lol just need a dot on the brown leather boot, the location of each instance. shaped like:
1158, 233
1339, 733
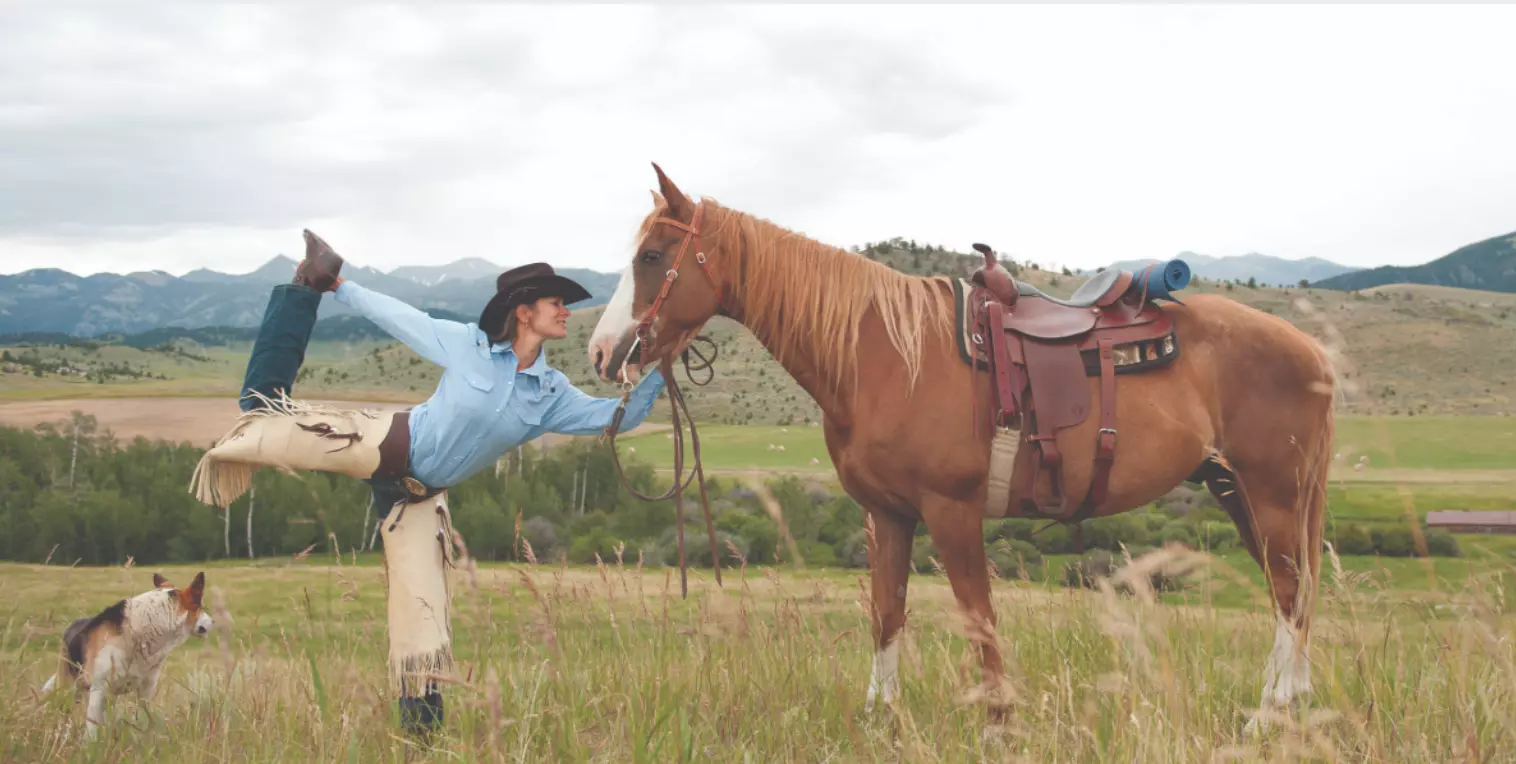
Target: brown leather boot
321, 266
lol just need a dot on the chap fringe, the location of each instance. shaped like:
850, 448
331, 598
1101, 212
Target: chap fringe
219, 482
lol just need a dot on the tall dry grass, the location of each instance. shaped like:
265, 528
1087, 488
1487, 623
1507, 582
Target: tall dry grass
607, 663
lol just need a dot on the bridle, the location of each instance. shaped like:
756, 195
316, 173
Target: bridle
676, 399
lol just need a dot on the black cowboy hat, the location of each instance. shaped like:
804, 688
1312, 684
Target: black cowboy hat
525, 284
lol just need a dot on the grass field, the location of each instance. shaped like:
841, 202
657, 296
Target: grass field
610, 665
1403, 443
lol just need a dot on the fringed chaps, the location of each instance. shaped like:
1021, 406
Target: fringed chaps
289, 435
418, 553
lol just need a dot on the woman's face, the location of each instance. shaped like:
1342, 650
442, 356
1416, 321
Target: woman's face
547, 317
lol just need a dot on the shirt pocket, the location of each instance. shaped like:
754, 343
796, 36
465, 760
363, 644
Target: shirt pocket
478, 382
532, 403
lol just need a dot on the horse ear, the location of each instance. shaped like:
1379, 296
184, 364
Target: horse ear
677, 201
159, 581
658, 200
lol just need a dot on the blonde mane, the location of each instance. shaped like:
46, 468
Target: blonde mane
805, 298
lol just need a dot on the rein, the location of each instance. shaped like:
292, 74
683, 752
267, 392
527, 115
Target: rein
676, 402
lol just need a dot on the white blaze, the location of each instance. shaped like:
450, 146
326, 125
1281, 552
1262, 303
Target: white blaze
617, 319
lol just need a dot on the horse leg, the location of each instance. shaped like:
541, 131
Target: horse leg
957, 531
1281, 524
889, 571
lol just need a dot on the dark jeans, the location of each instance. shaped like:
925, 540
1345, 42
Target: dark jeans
278, 353
279, 349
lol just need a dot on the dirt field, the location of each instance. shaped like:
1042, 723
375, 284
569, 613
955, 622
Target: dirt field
197, 420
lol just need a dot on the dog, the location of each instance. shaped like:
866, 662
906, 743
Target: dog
124, 647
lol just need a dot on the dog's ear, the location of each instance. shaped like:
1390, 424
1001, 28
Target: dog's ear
196, 589
159, 582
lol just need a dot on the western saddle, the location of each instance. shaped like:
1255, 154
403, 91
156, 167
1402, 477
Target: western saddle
1038, 344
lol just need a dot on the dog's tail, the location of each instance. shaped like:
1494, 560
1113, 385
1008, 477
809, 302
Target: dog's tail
70, 654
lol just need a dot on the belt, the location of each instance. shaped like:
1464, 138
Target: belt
395, 459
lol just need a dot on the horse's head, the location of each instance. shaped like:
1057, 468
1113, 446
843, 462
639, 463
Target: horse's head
667, 292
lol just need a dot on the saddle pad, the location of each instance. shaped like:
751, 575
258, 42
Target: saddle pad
1130, 357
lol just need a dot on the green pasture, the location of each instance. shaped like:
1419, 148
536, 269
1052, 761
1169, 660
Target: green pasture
1418, 443
1440, 443
739, 448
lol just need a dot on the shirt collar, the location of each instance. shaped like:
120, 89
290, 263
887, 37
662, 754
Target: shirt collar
538, 368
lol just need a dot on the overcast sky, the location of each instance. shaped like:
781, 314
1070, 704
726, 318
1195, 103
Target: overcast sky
137, 139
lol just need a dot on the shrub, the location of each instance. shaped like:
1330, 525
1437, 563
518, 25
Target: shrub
1440, 543
921, 552
1394, 541
1180, 532
542, 535
1353, 539
1081, 573
1110, 533
1220, 537
853, 552
697, 547
1013, 558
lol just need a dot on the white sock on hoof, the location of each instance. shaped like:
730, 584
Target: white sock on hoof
1286, 672
885, 680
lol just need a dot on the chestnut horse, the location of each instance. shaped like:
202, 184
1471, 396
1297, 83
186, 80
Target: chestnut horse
1246, 407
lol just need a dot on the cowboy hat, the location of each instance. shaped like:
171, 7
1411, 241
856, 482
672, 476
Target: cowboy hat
526, 284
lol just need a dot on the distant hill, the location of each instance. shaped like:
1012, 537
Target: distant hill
1489, 265
1266, 269
49, 300
346, 328
1409, 349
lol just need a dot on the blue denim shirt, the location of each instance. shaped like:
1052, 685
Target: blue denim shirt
483, 406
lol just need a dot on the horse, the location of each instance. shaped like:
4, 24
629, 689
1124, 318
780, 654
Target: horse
1246, 408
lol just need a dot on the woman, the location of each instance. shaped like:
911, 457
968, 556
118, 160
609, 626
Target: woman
497, 391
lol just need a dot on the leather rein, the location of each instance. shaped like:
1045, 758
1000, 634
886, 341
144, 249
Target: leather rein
677, 402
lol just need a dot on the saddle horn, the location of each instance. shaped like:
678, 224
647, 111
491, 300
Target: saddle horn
988, 252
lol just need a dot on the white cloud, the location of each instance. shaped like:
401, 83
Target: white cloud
133, 140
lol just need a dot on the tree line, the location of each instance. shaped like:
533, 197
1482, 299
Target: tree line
73, 494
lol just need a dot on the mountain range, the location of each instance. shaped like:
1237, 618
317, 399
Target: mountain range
1489, 265
50, 300
56, 302
1266, 269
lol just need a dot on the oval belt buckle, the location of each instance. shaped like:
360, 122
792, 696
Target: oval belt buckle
413, 486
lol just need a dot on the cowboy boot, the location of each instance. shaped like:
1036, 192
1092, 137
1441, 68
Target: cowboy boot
420, 717
321, 266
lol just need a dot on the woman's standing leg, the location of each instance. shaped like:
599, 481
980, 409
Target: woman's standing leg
418, 550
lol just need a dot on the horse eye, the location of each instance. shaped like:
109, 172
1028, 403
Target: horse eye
651, 256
